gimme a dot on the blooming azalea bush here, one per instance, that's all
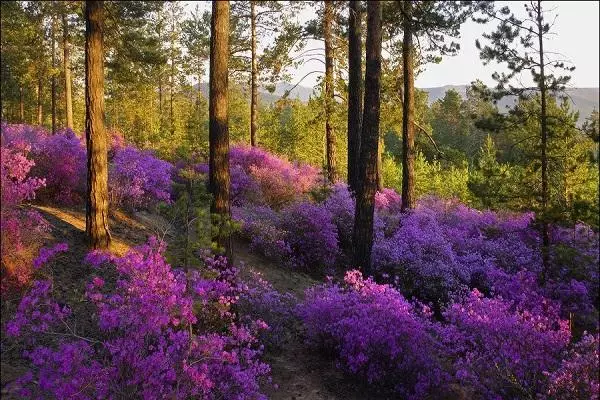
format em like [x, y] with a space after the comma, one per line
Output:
[161, 333]
[61, 160]
[375, 333]
[501, 348]
[258, 177]
[20, 227]
[138, 179]
[577, 376]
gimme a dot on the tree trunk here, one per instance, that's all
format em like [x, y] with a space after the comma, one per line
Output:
[219, 179]
[172, 78]
[544, 134]
[354, 92]
[21, 106]
[329, 136]
[254, 83]
[380, 164]
[96, 221]
[38, 91]
[365, 198]
[408, 113]
[67, 73]
[53, 32]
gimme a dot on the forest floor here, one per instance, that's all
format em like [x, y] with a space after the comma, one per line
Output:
[299, 373]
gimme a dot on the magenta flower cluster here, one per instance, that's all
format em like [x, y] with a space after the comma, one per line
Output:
[137, 179]
[482, 347]
[20, 227]
[161, 333]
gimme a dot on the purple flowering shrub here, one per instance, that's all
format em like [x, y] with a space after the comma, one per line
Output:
[310, 234]
[20, 227]
[260, 225]
[162, 333]
[577, 376]
[61, 160]
[138, 179]
[261, 300]
[376, 334]
[263, 178]
[300, 236]
[502, 348]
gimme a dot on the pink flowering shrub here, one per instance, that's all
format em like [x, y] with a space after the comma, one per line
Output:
[20, 227]
[61, 160]
[501, 348]
[262, 178]
[138, 179]
[261, 300]
[310, 234]
[577, 376]
[162, 334]
[375, 334]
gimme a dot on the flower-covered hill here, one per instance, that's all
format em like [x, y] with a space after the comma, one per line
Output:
[460, 305]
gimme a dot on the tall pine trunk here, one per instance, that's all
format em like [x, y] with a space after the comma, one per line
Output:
[544, 134]
[329, 135]
[354, 92]
[408, 112]
[254, 78]
[53, 82]
[380, 163]
[67, 73]
[96, 221]
[21, 106]
[219, 179]
[362, 238]
[172, 79]
[38, 91]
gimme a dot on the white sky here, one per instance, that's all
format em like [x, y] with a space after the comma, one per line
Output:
[577, 38]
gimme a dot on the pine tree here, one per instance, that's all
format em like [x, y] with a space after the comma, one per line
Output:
[354, 91]
[96, 221]
[219, 125]
[329, 94]
[531, 34]
[429, 22]
[362, 238]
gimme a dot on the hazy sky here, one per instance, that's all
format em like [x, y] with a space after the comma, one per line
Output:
[577, 38]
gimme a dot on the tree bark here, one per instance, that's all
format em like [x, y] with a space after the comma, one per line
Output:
[21, 106]
[219, 179]
[354, 92]
[380, 163]
[96, 221]
[365, 198]
[254, 78]
[172, 78]
[408, 113]
[67, 73]
[38, 91]
[544, 134]
[53, 82]
[329, 135]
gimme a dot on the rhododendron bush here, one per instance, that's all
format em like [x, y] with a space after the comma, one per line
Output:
[20, 227]
[375, 333]
[137, 179]
[258, 177]
[161, 333]
[485, 348]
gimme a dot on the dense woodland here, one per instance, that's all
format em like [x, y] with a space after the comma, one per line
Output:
[169, 230]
